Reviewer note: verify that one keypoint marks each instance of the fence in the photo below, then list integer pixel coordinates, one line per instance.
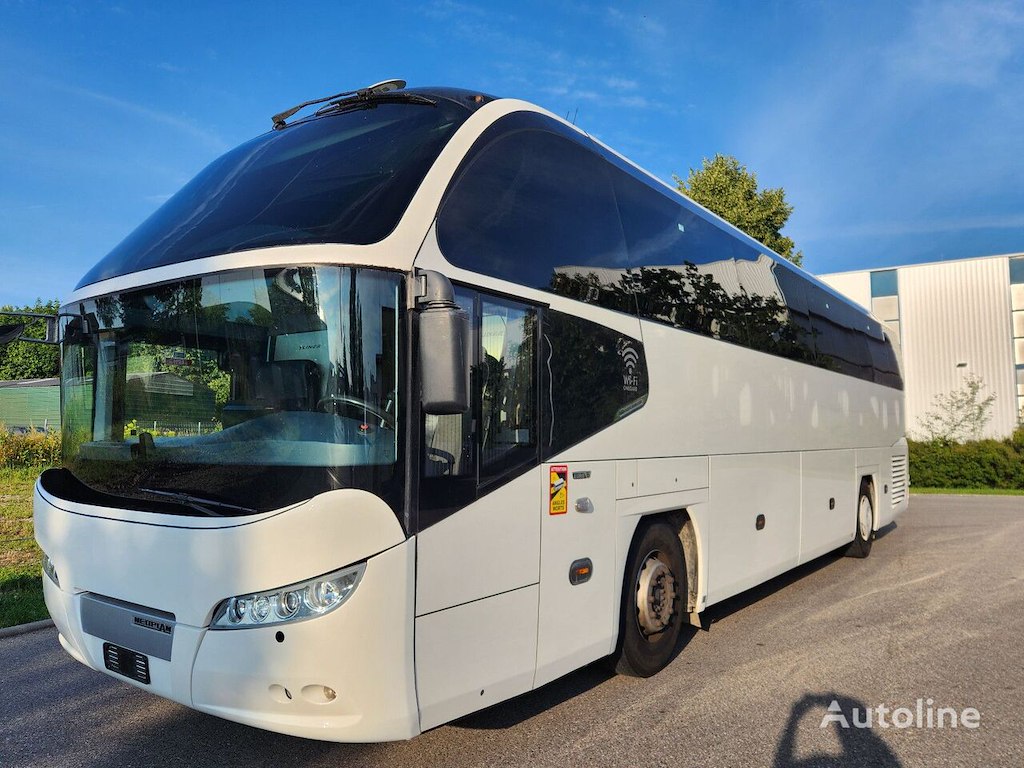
(160, 428)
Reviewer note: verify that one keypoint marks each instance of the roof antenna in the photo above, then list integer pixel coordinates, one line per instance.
(574, 115)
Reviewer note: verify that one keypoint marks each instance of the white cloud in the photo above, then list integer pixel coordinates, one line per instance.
(621, 83)
(166, 66)
(640, 25)
(920, 226)
(894, 128)
(154, 115)
(967, 43)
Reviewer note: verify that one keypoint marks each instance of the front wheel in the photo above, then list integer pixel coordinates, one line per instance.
(653, 602)
(865, 531)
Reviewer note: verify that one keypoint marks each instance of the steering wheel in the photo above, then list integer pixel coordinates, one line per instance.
(387, 420)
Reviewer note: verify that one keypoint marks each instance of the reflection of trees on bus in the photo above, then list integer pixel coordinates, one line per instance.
(584, 388)
(758, 304)
(692, 299)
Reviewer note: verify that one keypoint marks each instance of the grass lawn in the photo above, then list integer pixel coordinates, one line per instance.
(21, 585)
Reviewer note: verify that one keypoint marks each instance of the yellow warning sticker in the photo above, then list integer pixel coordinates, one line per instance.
(559, 495)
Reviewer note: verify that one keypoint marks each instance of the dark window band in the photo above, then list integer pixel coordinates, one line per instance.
(537, 204)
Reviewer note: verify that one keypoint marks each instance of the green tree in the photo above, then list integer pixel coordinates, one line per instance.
(25, 360)
(724, 186)
(959, 415)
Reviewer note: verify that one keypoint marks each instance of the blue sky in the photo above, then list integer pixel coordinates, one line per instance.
(896, 129)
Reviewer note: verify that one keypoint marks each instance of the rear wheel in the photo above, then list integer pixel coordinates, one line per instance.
(865, 532)
(653, 602)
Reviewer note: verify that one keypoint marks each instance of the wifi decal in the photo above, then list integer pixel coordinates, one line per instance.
(631, 367)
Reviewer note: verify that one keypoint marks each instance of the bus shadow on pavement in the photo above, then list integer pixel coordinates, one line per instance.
(829, 736)
(512, 712)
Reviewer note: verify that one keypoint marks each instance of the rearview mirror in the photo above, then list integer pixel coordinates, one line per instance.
(443, 341)
(14, 331)
(9, 333)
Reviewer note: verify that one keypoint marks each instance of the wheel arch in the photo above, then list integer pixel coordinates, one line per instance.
(686, 528)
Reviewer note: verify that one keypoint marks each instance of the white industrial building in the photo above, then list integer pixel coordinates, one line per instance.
(952, 318)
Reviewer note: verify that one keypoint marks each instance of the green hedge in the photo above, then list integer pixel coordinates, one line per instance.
(975, 464)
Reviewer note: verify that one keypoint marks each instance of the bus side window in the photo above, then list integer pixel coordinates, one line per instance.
(507, 387)
(592, 377)
(467, 455)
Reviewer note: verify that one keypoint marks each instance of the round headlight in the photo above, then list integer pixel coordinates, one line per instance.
(260, 608)
(288, 603)
(296, 602)
(322, 595)
(237, 609)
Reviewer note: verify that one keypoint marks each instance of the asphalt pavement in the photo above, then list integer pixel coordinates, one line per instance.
(935, 614)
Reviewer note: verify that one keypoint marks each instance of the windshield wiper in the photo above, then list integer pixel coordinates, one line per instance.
(197, 502)
(345, 105)
(361, 98)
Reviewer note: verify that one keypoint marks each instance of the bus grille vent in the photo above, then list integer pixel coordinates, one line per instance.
(899, 479)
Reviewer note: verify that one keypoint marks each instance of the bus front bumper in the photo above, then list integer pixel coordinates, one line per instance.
(344, 676)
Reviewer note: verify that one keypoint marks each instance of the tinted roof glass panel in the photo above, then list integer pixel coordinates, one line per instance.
(529, 204)
(664, 228)
(344, 178)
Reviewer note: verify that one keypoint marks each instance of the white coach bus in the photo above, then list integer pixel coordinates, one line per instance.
(426, 399)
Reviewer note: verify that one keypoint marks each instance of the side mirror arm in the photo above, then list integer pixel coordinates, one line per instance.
(14, 331)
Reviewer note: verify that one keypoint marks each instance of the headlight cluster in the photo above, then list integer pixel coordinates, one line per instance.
(50, 569)
(292, 603)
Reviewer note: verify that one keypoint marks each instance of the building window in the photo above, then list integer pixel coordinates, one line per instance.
(884, 283)
(885, 300)
(1017, 270)
(1017, 323)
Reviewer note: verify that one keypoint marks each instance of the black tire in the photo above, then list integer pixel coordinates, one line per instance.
(864, 532)
(643, 649)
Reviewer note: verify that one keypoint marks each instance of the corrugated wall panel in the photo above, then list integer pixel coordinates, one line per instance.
(958, 312)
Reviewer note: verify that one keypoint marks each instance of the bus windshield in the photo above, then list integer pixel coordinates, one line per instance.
(245, 390)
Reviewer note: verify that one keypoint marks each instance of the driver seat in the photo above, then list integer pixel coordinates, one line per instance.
(288, 385)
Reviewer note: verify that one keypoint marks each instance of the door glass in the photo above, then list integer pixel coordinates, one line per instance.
(507, 386)
(467, 455)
